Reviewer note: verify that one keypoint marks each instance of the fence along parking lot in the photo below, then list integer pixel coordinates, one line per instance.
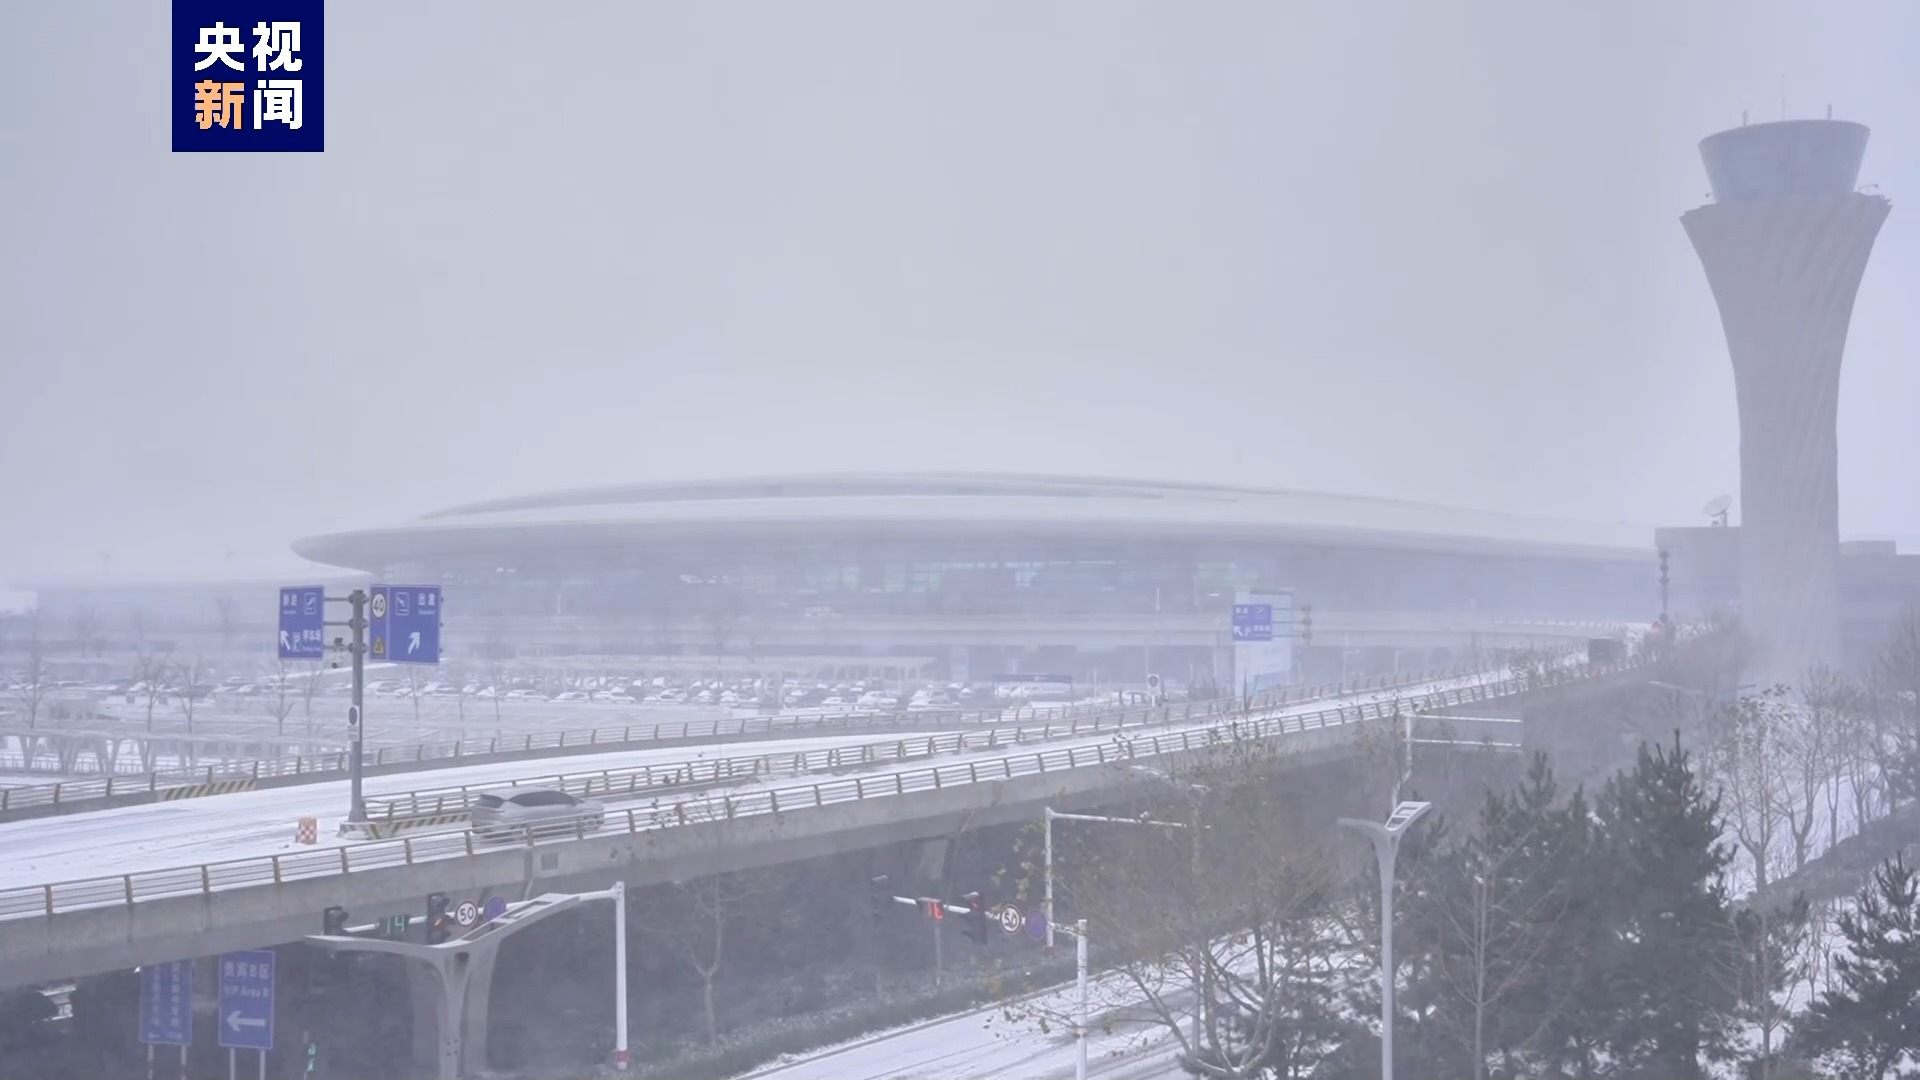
(129, 889)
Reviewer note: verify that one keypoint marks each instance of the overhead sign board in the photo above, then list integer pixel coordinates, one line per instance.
(166, 1004)
(403, 624)
(1263, 629)
(303, 617)
(1253, 622)
(246, 1000)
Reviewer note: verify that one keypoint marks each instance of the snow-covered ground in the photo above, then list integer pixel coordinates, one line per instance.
(985, 1043)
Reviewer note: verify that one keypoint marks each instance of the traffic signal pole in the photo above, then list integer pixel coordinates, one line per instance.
(357, 648)
(619, 892)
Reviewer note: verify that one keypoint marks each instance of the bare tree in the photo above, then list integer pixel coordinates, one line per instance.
(1894, 710)
(190, 672)
(86, 629)
(150, 672)
(35, 677)
(413, 692)
(1813, 758)
(281, 703)
(1237, 963)
(309, 686)
(1748, 758)
(457, 679)
(697, 922)
(224, 612)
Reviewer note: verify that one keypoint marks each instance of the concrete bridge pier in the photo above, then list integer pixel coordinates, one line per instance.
(928, 861)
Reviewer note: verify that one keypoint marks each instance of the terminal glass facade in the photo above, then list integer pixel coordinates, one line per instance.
(1037, 576)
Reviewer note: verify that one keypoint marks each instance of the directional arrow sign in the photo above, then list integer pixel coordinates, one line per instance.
(246, 1000)
(405, 623)
(302, 621)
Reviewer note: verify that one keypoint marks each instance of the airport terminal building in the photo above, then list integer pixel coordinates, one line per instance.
(962, 576)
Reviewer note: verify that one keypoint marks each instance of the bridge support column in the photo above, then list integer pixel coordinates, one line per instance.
(930, 860)
(1223, 669)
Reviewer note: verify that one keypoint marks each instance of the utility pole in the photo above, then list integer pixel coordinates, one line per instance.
(1082, 1016)
(619, 898)
(357, 649)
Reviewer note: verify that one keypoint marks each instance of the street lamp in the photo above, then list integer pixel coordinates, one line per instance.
(1386, 845)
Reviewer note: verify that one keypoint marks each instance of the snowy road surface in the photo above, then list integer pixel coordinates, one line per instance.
(190, 831)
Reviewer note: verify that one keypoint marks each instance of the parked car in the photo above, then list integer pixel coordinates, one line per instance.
(508, 814)
(616, 697)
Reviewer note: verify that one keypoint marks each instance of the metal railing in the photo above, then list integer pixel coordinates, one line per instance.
(333, 765)
(647, 779)
(205, 878)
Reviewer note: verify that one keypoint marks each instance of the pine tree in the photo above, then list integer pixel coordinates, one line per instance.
(1671, 919)
(1864, 1026)
(1767, 956)
(1502, 968)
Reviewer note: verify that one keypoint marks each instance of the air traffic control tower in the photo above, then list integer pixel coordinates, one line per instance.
(1785, 242)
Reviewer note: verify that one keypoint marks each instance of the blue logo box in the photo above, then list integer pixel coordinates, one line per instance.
(249, 76)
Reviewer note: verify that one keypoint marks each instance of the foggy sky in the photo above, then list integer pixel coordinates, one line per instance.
(1433, 256)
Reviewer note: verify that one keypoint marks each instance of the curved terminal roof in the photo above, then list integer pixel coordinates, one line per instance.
(949, 504)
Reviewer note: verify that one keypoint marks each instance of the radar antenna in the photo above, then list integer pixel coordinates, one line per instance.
(1716, 509)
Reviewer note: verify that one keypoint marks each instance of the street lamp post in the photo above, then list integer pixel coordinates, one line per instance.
(1386, 845)
(1082, 1014)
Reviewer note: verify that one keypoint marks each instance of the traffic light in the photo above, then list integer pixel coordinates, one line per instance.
(333, 921)
(976, 917)
(439, 920)
(1306, 624)
(878, 898)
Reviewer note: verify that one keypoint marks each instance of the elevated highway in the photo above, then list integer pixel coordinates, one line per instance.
(148, 900)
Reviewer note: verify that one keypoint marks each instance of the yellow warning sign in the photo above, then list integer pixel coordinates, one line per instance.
(379, 646)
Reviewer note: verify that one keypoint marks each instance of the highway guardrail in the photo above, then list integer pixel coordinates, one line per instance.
(204, 878)
(646, 779)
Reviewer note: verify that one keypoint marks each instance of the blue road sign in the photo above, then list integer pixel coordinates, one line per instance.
(495, 907)
(246, 1000)
(166, 1003)
(303, 618)
(1037, 925)
(405, 623)
(1253, 622)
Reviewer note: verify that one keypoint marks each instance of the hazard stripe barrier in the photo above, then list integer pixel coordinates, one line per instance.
(217, 787)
